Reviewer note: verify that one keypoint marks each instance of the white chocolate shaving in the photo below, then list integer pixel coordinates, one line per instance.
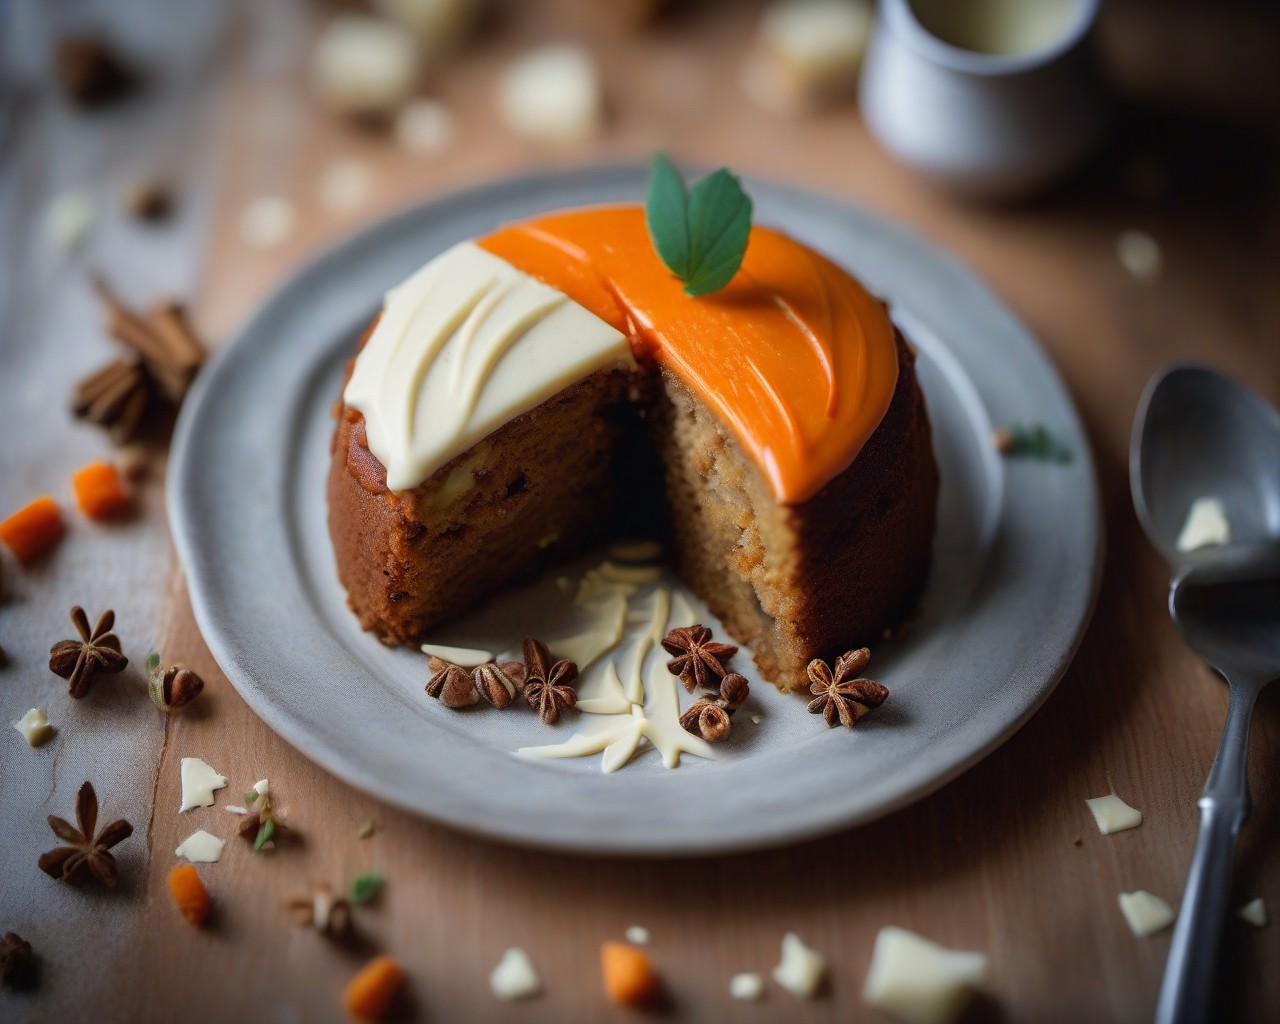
(645, 642)
(604, 634)
(662, 725)
(801, 969)
(515, 977)
(1255, 912)
(466, 657)
(551, 96)
(35, 727)
(201, 847)
(602, 693)
(1207, 525)
(918, 981)
(1146, 914)
(1112, 814)
(199, 782)
(638, 935)
(747, 986)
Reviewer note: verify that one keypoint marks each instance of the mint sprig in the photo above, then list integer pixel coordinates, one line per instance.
(699, 234)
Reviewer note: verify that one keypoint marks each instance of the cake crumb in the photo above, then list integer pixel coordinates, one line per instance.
(638, 935)
(801, 969)
(1255, 912)
(1112, 814)
(1145, 913)
(916, 980)
(747, 986)
(515, 977)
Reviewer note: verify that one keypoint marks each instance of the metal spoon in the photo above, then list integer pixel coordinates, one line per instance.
(1199, 434)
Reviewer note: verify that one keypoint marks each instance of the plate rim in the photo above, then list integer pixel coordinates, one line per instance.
(178, 485)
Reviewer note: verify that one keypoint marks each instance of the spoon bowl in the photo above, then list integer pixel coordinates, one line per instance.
(1199, 433)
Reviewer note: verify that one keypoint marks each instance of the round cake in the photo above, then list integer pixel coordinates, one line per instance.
(530, 393)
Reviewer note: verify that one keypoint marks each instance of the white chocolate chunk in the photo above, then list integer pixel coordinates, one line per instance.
(918, 981)
(466, 657)
(345, 186)
(747, 986)
(808, 53)
(638, 935)
(1255, 912)
(201, 847)
(267, 222)
(1112, 814)
(198, 784)
(262, 787)
(602, 693)
(1146, 914)
(1206, 525)
(424, 127)
(801, 969)
(1139, 254)
(364, 66)
(35, 727)
(551, 95)
(236, 809)
(69, 219)
(515, 977)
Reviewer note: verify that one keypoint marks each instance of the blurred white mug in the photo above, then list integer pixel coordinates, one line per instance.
(991, 97)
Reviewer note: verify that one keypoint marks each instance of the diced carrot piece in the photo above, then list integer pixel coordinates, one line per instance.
(33, 529)
(629, 977)
(189, 893)
(372, 991)
(100, 491)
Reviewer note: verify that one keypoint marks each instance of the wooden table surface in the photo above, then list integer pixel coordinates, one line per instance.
(1006, 859)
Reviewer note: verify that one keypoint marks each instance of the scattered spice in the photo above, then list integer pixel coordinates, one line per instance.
(34, 529)
(173, 687)
(365, 830)
(451, 684)
(372, 992)
(189, 894)
(629, 977)
(839, 697)
(100, 491)
(497, 682)
(150, 201)
(17, 962)
(115, 397)
(97, 650)
(699, 660)
(91, 73)
(1035, 441)
(320, 909)
(709, 717)
(366, 887)
(260, 824)
(85, 854)
(548, 686)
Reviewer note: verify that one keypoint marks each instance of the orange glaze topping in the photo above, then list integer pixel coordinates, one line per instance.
(794, 354)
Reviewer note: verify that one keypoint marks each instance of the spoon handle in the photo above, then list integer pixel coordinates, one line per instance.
(1186, 994)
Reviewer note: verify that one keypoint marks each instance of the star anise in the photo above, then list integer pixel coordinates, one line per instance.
(17, 962)
(85, 854)
(709, 717)
(548, 686)
(840, 697)
(320, 909)
(699, 660)
(498, 683)
(451, 684)
(97, 650)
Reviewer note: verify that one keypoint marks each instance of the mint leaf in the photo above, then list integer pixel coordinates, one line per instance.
(666, 211)
(366, 887)
(265, 832)
(719, 225)
(700, 236)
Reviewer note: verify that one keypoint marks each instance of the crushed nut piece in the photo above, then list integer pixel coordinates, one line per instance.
(149, 201)
(699, 660)
(17, 962)
(838, 696)
(85, 854)
(320, 909)
(97, 650)
(91, 74)
(548, 686)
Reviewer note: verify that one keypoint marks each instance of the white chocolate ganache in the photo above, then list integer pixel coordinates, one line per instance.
(464, 346)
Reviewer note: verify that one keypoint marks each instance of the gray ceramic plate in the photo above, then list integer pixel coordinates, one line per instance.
(1016, 565)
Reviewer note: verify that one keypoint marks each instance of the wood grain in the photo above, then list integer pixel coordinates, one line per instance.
(1005, 859)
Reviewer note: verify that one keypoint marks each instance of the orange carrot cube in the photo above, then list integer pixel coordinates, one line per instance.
(100, 491)
(371, 993)
(629, 977)
(189, 893)
(33, 529)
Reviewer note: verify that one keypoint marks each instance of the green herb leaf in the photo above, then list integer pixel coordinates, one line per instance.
(250, 797)
(1035, 441)
(265, 831)
(366, 830)
(366, 887)
(152, 662)
(701, 236)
